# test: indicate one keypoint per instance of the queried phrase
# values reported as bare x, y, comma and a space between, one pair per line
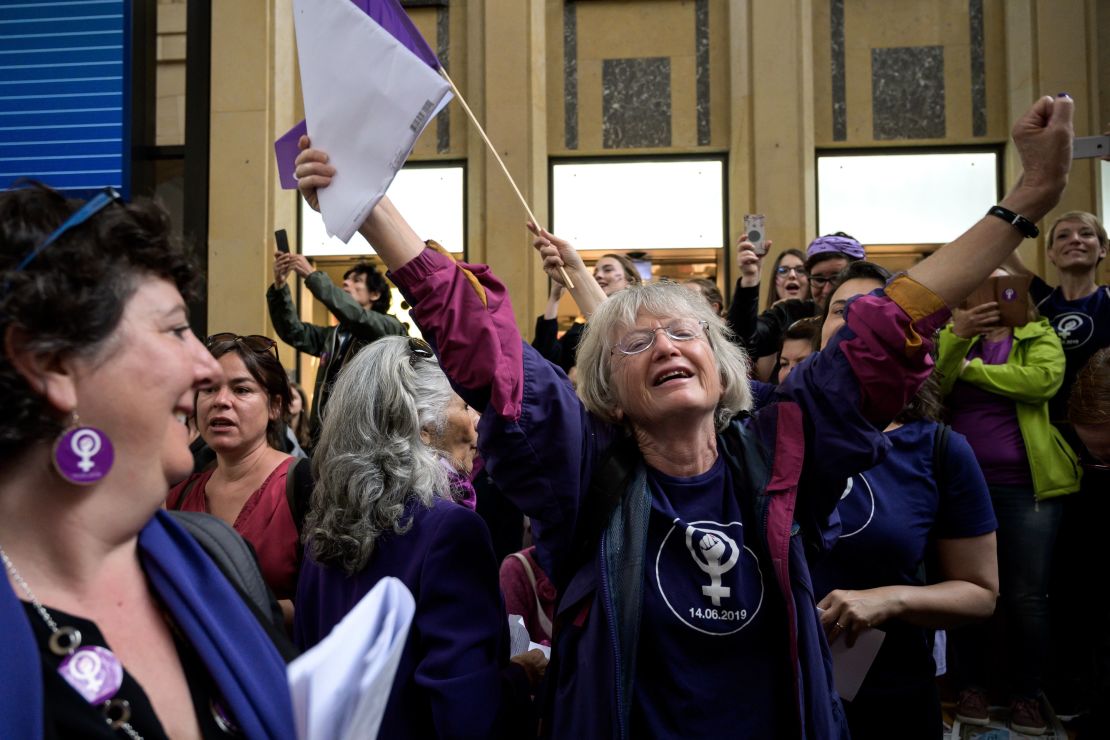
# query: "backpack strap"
233, 555
545, 623
298, 490
940, 455
184, 494
930, 564
236, 559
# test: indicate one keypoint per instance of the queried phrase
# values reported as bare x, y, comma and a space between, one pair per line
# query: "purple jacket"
544, 449
454, 679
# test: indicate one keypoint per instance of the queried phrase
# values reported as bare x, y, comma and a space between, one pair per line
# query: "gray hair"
663, 300
370, 462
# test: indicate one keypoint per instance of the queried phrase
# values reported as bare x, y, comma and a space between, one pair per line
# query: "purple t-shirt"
1083, 326
711, 605
889, 516
989, 421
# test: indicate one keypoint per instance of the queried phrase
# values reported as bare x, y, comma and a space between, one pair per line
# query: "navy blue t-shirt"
713, 658
1083, 326
889, 515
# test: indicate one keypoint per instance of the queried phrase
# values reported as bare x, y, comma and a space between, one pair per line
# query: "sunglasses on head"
418, 348
254, 342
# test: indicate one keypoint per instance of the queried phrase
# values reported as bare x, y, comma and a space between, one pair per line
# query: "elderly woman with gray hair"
393, 499
673, 524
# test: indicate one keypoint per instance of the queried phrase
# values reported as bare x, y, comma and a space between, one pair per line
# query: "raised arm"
392, 237
535, 436
559, 253
288, 325
744, 308
1043, 140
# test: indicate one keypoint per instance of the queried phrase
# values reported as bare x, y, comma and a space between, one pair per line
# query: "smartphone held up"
755, 231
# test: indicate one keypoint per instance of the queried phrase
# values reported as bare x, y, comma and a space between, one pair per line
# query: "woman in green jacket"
997, 381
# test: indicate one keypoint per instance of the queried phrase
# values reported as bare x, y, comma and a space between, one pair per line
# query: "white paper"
367, 98
340, 687
519, 640
850, 664
518, 635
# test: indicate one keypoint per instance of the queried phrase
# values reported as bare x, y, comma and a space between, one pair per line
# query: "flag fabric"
371, 85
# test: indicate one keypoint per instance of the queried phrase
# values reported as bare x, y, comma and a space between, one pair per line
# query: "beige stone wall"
770, 103
170, 74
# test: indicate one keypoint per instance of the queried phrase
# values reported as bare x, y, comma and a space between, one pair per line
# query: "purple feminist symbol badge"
94, 672
83, 455
1009, 294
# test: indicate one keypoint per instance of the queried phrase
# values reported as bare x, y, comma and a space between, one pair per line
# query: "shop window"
432, 199
901, 197
639, 205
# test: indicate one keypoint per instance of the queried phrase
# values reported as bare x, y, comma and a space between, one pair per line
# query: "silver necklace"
94, 672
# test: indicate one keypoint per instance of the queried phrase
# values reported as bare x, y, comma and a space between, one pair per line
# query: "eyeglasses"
798, 270
641, 340
820, 281
418, 348
254, 342
94, 206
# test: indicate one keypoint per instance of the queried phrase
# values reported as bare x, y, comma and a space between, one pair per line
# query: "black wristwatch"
1027, 228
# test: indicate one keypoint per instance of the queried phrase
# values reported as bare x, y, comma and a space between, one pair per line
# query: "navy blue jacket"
543, 449
454, 679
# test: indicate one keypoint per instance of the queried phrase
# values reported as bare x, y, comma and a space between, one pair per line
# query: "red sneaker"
1026, 717
972, 708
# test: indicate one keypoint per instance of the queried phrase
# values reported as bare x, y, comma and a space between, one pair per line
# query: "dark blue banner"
65, 93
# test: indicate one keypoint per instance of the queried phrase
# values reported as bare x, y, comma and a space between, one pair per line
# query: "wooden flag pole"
489, 145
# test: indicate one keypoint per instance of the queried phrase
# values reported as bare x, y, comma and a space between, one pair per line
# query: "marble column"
254, 99
772, 162
506, 88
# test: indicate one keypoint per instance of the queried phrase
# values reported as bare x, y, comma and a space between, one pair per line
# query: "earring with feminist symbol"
82, 455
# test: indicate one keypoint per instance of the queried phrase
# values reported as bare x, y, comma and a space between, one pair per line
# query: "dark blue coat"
454, 679
543, 449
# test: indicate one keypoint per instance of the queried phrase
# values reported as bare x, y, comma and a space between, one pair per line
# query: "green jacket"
1031, 376
363, 324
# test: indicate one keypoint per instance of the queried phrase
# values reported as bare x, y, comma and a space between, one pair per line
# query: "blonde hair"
664, 300
1082, 217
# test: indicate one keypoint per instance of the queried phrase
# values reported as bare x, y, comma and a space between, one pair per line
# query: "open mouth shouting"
671, 375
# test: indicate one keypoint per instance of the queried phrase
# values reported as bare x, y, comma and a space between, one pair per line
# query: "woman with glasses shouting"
787, 302
253, 486
674, 525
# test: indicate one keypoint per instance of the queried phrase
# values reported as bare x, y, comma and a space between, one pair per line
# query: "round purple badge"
1009, 294
83, 455
94, 672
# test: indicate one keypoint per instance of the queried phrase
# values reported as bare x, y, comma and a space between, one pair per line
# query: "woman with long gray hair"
392, 499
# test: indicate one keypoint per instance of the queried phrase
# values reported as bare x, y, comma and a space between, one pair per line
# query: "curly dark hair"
375, 283
70, 299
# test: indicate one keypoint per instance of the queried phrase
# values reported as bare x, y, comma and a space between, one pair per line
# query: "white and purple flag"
371, 86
